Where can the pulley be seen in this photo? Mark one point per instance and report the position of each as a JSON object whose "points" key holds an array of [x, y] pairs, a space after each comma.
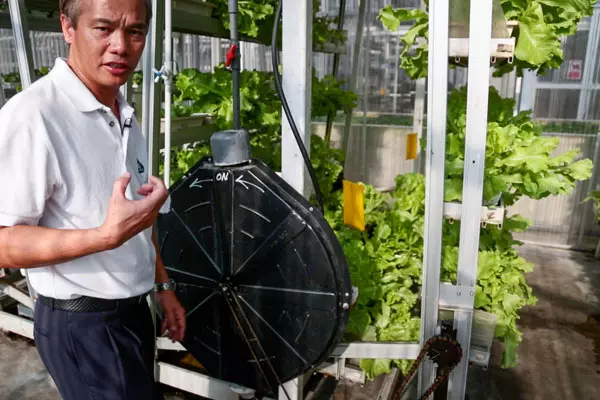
{"points": [[259, 271]]}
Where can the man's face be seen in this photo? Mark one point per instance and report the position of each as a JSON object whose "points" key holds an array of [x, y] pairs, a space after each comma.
{"points": [[108, 41]]}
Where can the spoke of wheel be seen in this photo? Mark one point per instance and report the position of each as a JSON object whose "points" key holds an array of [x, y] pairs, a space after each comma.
{"points": [[241, 328], [187, 229], [265, 356]]}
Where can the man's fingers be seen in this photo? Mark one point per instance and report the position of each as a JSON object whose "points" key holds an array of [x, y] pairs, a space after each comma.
{"points": [[145, 189], [157, 182], [120, 184]]}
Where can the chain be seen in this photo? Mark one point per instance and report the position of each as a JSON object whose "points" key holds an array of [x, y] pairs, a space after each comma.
{"points": [[445, 370]]}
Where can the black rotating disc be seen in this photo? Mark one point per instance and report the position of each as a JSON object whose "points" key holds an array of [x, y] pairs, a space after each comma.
{"points": [[260, 273]]}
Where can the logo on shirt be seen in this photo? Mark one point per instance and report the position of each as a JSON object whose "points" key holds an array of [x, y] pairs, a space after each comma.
{"points": [[140, 167]]}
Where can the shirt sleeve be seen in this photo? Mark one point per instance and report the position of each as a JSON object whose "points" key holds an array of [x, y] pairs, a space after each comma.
{"points": [[28, 168]]}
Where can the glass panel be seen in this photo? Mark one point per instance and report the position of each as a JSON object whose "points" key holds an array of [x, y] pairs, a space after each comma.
{"points": [[460, 16], [594, 106], [596, 67], [556, 103], [571, 70]]}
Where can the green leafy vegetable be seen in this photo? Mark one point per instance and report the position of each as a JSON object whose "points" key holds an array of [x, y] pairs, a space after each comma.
{"points": [[541, 26], [260, 109], [257, 17]]}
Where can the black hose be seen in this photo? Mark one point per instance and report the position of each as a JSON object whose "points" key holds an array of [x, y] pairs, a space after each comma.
{"points": [[278, 85]]}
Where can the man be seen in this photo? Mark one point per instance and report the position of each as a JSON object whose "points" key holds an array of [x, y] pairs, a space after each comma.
{"points": [[77, 209]]}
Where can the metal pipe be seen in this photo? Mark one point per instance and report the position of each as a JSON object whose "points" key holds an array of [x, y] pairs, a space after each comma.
{"points": [[335, 68], [235, 64], [355, 63], [434, 175], [168, 70], [480, 34]]}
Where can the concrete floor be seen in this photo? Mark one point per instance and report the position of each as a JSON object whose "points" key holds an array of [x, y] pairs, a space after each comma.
{"points": [[23, 377], [558, 359]]}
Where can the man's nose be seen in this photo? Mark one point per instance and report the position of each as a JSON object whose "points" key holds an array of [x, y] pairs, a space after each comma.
{"points": [[118, 42]]}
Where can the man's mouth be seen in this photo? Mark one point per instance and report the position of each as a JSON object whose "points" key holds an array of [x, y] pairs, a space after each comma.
{"points": [[117, 68]]}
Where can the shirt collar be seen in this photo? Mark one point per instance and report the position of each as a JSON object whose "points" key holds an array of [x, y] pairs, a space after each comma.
{"points": [[81, 97], [125, 109]]}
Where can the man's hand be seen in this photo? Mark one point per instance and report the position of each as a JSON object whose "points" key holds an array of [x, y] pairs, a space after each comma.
{"points": [[125, 218], [173, 315]]}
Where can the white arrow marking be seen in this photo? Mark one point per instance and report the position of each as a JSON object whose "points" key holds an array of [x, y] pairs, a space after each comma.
{"points": [[245, 183], [197, 182]]}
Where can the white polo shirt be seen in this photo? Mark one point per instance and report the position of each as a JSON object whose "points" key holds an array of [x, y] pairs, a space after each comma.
{"points": [[61, 151]]}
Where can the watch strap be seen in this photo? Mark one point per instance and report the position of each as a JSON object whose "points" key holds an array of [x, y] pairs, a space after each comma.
{"points": [[162, 286]]}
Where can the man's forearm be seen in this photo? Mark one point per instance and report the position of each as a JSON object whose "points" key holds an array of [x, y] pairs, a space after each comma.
{"points": [[161, 271], [34, 246]]}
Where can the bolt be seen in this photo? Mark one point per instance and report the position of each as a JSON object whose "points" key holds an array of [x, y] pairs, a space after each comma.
{"points": [[458, 293], [345, 306], [471, 293], [310, 209], [346, 294]]}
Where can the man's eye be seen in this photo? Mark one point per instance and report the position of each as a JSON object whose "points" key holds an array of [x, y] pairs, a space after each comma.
{"points": [[102, 29]]}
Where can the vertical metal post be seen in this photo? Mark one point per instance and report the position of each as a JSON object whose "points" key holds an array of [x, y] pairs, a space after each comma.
{"points": [[434, 193], [480, 32], [235, 64], [194, 54], [151, 107], [215, 52], [2, 97], [127, 90], [296, 59], [527, 91], [365, 94], [418, 117], [397, 72], [356, 54], [591, 59], [168, 72], [20, 26], [334, 70], [151, 94]]}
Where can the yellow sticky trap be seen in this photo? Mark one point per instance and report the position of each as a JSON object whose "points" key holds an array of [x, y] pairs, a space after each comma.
{"points": [[354, 205], [411, 146]]}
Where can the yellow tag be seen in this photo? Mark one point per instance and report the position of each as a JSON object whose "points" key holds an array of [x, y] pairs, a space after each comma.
{"points": [[411, 146], [354, 205]]}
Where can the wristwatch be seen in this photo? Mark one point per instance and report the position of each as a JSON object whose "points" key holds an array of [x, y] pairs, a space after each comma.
{"points": [[162, 286]]}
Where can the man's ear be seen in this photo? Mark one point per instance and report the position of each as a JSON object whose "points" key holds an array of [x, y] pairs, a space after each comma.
{"points": [[67, 28]]}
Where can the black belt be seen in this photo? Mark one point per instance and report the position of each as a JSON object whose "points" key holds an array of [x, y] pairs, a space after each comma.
{"points": [[91, 304]]}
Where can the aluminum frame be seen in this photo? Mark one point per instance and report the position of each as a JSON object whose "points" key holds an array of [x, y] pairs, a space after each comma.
{"points": [[439, 15], [296, 60], [480, 31]]}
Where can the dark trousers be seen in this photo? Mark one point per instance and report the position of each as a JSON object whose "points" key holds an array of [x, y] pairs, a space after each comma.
{"points": [[98, 355]]}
